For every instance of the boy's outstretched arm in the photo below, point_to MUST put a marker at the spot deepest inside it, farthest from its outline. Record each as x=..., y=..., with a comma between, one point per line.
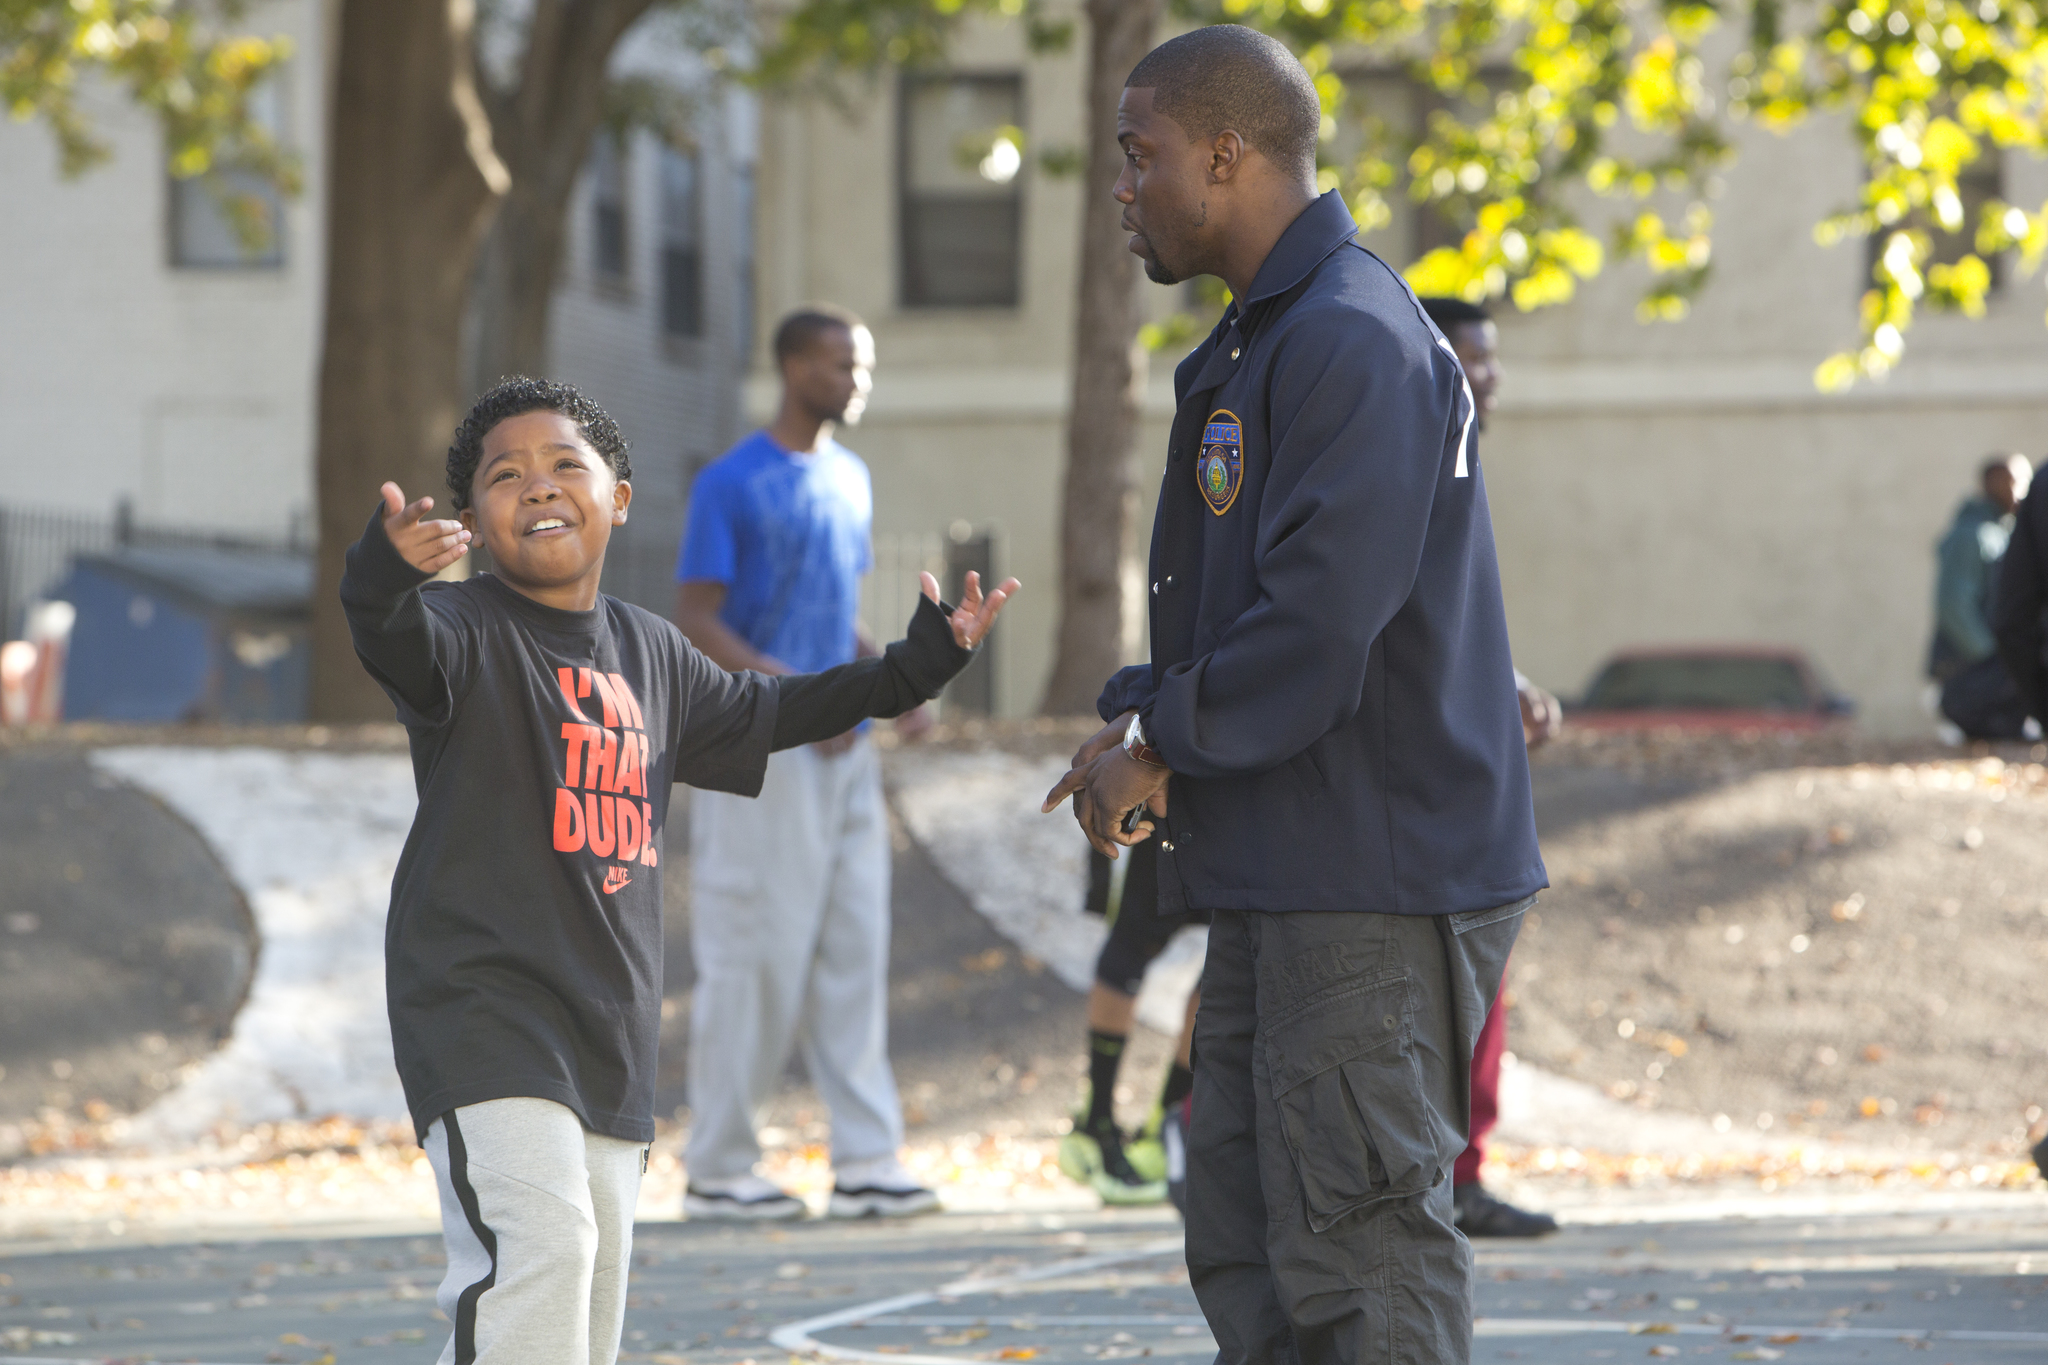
x=395, y=636
x=940, y=642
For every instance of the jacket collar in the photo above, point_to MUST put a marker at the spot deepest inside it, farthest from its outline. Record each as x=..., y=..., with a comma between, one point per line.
x=1320, y=229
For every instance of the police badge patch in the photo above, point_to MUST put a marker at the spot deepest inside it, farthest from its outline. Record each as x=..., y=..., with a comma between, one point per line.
x=1220, y=468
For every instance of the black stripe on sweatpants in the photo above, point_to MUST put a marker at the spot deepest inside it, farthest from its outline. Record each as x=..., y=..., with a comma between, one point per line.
x=465, y=1306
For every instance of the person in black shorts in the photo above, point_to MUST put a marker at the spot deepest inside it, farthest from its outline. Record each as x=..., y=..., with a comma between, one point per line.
x=1121, y=1169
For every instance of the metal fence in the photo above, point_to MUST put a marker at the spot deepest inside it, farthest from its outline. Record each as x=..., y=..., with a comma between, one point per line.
x=890, y=595
x=38, y=545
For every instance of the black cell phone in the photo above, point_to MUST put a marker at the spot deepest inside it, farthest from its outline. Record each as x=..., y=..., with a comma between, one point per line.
x=1133, y=816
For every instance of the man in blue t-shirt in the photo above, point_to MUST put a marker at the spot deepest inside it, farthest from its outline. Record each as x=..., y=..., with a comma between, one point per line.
x=789, y=894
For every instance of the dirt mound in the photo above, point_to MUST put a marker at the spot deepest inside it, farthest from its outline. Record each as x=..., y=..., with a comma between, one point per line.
x=1833, y=937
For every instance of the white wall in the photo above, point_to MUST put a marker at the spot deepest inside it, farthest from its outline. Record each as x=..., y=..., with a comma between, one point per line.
x=193, y=391
x=676, y=399
x=189, y=391
x=1685, y=483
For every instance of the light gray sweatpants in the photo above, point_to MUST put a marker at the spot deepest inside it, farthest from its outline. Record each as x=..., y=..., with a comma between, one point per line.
x=537, y=1213
x=789, y=924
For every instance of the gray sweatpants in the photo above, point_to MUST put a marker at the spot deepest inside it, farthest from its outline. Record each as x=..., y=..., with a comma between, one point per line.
x=789, y=924
x=537, y=1214
x=1333, y=1059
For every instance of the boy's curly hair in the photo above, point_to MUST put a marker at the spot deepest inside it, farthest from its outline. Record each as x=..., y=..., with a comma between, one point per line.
x=519, y=394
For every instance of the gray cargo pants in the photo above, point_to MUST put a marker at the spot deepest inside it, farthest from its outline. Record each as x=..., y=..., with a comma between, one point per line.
x=1333, y=1091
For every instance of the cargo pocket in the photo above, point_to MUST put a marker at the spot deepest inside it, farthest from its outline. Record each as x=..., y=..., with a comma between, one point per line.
x=1348, y=1088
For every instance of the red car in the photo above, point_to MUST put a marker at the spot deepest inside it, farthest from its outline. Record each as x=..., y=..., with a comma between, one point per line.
x=1705, y=687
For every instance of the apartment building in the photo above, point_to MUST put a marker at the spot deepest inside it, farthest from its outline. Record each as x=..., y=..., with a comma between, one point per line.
x=147, y=355
x=1660, y=483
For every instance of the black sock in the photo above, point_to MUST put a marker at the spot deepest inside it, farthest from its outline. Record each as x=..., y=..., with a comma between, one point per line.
x=1105, y=1055
x=1179, y=1081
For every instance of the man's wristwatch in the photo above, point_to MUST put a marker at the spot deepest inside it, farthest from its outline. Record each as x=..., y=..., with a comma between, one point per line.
x=1136, y=747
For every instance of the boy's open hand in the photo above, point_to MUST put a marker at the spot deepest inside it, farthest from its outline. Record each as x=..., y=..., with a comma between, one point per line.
x=431, y=546
x=975, y=614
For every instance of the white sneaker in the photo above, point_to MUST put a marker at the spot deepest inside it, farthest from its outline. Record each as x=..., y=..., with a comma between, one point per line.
x=741, y=1199
x=879, y=1188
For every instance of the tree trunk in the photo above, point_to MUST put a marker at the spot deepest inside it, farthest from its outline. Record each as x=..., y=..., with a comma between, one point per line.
x=543, y=130
x=1097, y=507
x=412, y=183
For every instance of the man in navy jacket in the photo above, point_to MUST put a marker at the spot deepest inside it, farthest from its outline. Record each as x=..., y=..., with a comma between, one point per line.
x=1327, y=741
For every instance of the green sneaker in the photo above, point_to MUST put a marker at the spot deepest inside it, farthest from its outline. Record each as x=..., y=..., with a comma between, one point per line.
x=1094, y=1156
x=1145, y=1151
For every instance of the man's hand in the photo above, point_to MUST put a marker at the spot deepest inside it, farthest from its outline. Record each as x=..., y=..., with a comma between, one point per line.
x=975, y=614
x=1542, y=717
x=429, y=546
x=1102, y=741
x=1106, y=789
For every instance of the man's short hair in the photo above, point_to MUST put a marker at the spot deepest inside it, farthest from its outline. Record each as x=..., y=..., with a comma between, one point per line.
x=515, y=396
x=1226, y=76
x=1448, y=312
x=1999, y=460
x=796, y=333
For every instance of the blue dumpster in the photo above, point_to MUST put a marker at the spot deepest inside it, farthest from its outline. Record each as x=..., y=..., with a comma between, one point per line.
x=188, y=634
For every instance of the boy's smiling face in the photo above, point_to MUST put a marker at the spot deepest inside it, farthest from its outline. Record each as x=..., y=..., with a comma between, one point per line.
x=545, y=503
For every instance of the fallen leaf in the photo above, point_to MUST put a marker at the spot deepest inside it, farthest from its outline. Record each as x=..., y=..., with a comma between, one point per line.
x=1759, y=1353
x=291, y=1339
x=1017, y=1353
x=1783, y=1338
x=1663, y=1350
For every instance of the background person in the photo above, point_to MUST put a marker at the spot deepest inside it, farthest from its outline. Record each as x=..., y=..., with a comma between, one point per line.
x=1326, y=738
x=1977, y=692
x=789, y=893
x=1476, y=339
x=2021, y=616
x=1120, y=1169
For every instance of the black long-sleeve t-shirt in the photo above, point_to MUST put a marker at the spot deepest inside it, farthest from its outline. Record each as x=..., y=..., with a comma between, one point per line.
x=523, y=946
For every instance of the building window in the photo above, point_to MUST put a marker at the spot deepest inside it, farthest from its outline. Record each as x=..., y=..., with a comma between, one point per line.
x=1979, y=183
x=608, y=207
x=682, y=245
x=231, y=218
x=961, y=197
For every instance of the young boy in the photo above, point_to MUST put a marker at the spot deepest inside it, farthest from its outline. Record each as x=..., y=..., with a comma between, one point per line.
x=523, y=949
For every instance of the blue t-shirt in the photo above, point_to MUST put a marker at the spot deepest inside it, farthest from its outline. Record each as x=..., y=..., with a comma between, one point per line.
x=789, y=537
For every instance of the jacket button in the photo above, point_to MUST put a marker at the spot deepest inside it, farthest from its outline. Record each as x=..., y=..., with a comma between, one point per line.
x=1155, y=590
x=1169, y=580
x=1234, y=350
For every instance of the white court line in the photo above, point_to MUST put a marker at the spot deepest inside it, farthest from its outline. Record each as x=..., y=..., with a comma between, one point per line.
x=797, y=1336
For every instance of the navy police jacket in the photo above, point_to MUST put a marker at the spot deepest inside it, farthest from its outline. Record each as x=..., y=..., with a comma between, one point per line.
x=1330, y=678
